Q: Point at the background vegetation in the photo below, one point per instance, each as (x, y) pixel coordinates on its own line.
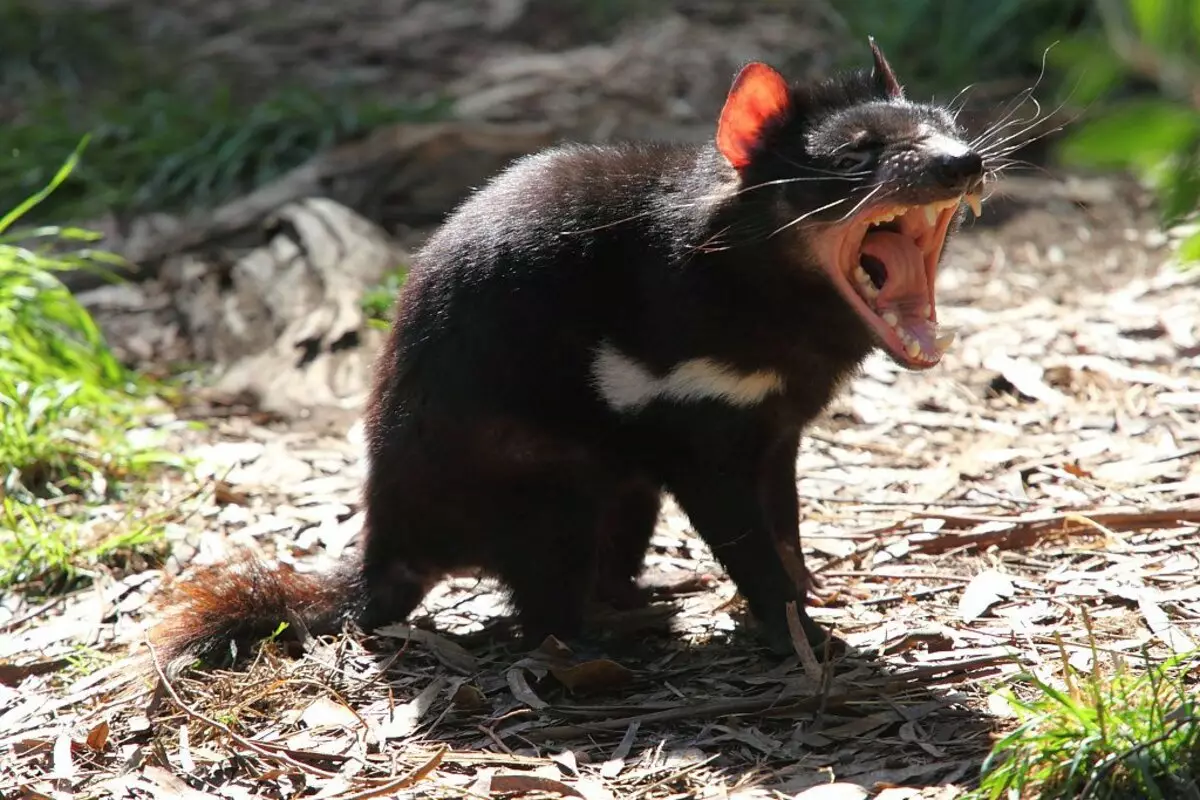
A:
(167, 134)
(67, 410)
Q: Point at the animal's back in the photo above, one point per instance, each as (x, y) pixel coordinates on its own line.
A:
(507, 302)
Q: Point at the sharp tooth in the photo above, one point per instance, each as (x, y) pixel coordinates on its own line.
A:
(931, 214)
(912, 348)
(945, 337)
(974, 202)
(890, 317)
(927, 311)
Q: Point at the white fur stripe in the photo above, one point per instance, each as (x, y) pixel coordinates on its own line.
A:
(940, 143)
(627, 385)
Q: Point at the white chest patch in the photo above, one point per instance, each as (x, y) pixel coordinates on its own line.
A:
(627, 385)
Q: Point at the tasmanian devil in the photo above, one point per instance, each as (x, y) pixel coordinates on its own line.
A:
(599, 324)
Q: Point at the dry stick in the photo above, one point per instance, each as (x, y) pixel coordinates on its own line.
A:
(16, 622)
(265, 750)
(496, 740)
(1110, 519)
(257, 747)
(761, 704)
(414, 777)
(895, 598)
(673, 776)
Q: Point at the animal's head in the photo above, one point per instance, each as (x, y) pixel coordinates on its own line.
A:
(869, 181)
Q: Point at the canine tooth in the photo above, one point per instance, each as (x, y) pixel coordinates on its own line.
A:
(974, 202)
(912, 348)
(945, 337)
(927, 311)
(931, 214)
(891, 318)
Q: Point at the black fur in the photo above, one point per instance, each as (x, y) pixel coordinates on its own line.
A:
(490, 445)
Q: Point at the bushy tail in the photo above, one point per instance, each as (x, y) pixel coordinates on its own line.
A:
(242, 602)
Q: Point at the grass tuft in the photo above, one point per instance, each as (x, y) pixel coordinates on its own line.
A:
(170, 132)
(379, 301)
(167, 150)
(1124, 736)
(69, 413)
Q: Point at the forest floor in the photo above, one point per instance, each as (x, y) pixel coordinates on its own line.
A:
(1033, 499)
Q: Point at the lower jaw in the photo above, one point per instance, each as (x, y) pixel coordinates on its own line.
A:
(875, 339)
(908, 363)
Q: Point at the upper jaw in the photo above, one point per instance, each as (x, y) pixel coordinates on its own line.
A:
(902, 313)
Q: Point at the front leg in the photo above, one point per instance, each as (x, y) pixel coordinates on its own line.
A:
(724, 504)
(782, 507)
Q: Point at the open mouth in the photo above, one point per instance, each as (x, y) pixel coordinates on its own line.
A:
(885, 262)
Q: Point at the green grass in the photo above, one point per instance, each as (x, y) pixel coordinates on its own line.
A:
(166, 134)
(379, 301)
(941, 47)
(166, 149)
(68, 409)
(45, 553)
(72, 47)
(1132, 734)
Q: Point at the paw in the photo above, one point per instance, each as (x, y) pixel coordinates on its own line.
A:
(778, 639)
(624, 595)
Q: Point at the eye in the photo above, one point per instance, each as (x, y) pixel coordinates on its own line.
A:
(853, 159)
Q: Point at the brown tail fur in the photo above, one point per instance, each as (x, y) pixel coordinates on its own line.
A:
(238, 603)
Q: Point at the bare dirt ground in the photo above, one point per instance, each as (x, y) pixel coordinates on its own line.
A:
(1034, 498)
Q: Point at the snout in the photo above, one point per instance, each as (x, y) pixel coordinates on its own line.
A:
(958, 171)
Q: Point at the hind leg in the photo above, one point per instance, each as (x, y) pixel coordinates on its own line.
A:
(400, 564)
(626, 525)
(550, 525)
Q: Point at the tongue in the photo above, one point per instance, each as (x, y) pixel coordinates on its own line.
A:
(906, 290)
(906, 286)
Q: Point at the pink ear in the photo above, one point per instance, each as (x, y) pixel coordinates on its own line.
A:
(759, 95)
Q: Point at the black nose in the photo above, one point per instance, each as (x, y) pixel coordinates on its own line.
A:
(959, 170)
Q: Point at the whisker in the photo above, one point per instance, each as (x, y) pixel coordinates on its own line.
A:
(803, 217)
(858, 206)
(988, 137)
(783, 181)
(1006, 119)
(1021, 164)
(826, 207)
(996, 146)
(1037, 119)
(614, 223)
(1019, 100)
(1004, 151)
(963, 93)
